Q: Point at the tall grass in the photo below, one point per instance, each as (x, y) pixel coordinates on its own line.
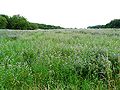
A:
(60, 60)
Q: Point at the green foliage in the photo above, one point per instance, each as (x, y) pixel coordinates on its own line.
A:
(7, 18)
(112, 24)
(44, 26)
(60, 60)
(3, 22)
(97, 26)
(32, 26)
(19, 22)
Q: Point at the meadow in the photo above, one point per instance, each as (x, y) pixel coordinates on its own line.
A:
(70, 59)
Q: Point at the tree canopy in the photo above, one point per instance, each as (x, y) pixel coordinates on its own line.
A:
(3, 22)
(112, 24)
(18, 22)
(21, 23)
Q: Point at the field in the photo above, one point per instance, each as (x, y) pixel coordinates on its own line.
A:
(60, 60)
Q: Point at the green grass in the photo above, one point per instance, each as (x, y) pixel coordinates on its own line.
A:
(60, 60)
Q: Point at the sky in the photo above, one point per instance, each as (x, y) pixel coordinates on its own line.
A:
(65, 13)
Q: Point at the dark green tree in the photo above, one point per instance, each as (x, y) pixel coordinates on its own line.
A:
(113, 24)
(3, 22)
(33, 26)
(7, 18)
(18, 22)
(44, 26)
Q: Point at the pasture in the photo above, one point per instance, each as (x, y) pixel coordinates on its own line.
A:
(71, 59)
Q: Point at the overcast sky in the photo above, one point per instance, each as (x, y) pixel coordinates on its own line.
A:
(66, 13)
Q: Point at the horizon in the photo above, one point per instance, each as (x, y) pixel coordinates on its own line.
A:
(68, 14)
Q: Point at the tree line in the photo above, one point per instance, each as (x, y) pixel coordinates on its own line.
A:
(21, 23)
(112, 24)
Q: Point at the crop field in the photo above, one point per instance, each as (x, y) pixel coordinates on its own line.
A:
(60, 59)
